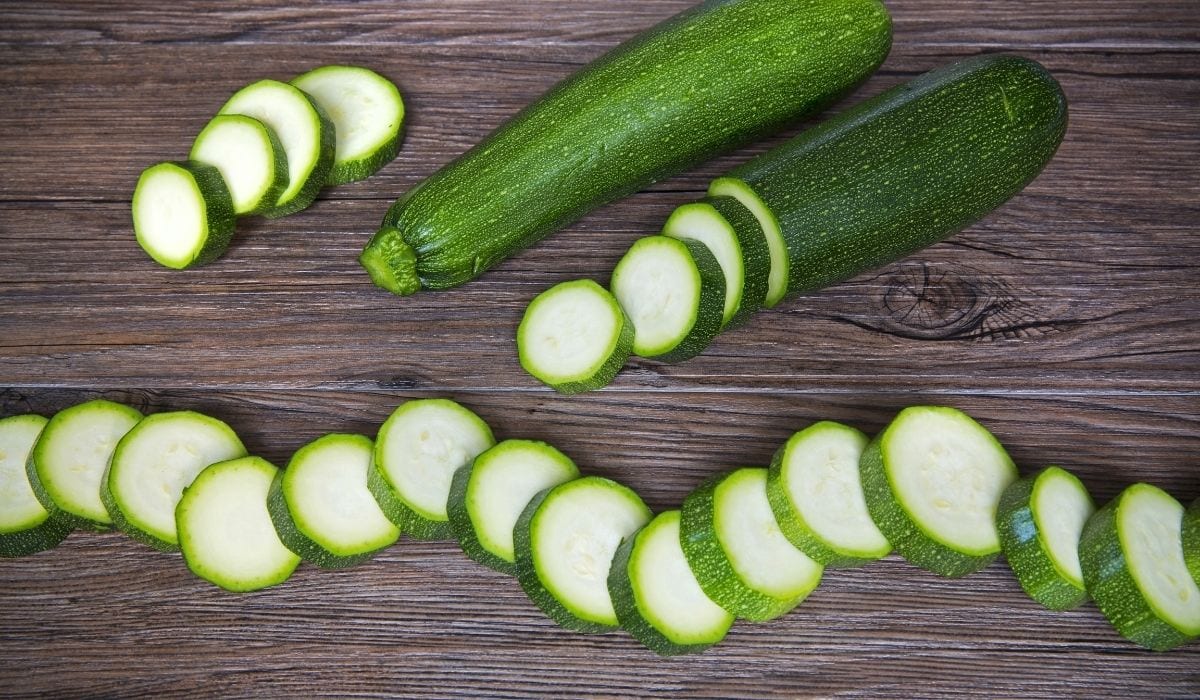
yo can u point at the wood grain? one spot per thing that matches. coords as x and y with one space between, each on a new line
1068 322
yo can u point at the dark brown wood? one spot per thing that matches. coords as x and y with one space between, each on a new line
1067 322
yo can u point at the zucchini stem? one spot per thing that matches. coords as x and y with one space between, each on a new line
391 262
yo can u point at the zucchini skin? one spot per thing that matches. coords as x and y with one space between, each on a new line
706 81
464 529
1191 539
45 535
910 167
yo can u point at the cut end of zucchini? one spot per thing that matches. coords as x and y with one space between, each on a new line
391 262
182 214
777 280
574 337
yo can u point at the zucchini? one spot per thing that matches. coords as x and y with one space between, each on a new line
656 596
1039 520
736 550
153 463
225 532
816 494
26 526
903 170
367 114
418 449
303 129
69 459
932 480
488 495
1132 560
674 293
1190 539
250 158
182 214
574 337
734 237
565 540
706 81
322 508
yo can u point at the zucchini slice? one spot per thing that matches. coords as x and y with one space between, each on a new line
574 337
418 449
1040 519
1132 560
367 114
933 480
153 463
322 508
26 526
737 552
487 497
777 276
735 239
816 495
1190 539
304 130
565 540
251 160
225 532
674 293
182 214
68 462
656 596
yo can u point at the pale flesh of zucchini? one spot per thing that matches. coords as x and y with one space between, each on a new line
699 222
659 286
1149 527
1061 507
19 507
777 282
574 337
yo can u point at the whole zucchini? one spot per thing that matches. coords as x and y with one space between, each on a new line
706 81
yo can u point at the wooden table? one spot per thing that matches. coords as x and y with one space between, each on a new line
1066 322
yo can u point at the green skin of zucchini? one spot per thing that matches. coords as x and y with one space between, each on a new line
708 560
898 527
408 520
756 256
709 312
464 531
658 104
1107 577
910 167
218 211
45 535
294 538
1191 539
1027 555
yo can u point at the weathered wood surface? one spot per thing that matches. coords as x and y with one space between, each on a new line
1067 322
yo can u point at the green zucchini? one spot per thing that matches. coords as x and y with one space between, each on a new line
182 214
1133 566
816 494
734 237
250 158
488 495
322 507
1190 539
565 540
656 595
69 459
225 532
1039 520
932 480
26 526
574 337
903 170
706 81
736 550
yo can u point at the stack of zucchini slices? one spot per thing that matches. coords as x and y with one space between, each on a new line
749 543
269 151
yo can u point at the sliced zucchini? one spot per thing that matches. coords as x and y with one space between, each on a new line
735 239
69 459
419 448
225 532
817 498
488 495
674 293
182 214
777 278
152 465
565 540
1040 519
1133 566
933 480
250 158
25 525
367 114
574 337
1191 539
737 552
656 596
322 508
304 130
